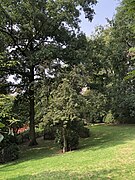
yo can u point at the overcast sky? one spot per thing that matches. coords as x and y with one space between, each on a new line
104 9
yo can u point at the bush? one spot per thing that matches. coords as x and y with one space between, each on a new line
84 132
23 137
9 153
39 132
72 138
109 118
49 132
9 150
78 127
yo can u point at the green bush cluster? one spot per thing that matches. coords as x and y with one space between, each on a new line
109 118
39 132
72 138
79 127
74 131
84 132
9 150
49 132
23 137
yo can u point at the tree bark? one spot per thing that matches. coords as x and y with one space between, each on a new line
32 111
64 141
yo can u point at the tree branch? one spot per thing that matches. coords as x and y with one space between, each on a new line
10 34
12 70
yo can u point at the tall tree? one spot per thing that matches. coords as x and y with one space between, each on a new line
121 40
39 33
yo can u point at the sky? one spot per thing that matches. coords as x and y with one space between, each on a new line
104 9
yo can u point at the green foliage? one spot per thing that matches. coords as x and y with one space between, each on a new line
39 132
7 116
80 129
129 8
49 131
40 34
64 104
1 125
23 137
109 119
72 139
9 150
8 143
83 132
122 89
21 109
9 153
116 56
95 107
132 53
131 74
124 108
64 109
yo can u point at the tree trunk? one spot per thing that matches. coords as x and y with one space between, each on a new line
32 113
64 141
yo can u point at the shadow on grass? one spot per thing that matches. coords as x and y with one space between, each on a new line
44 149
104 136
66 175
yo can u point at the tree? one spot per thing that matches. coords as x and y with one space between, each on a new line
64 110
95 106
121 39
108 62
39 34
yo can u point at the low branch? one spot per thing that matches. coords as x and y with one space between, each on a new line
10 34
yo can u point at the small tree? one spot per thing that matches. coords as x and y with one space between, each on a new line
63 110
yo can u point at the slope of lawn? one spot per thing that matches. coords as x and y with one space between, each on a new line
108 154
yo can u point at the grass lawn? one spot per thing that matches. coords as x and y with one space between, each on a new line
108 154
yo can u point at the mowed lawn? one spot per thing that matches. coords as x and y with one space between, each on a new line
108 154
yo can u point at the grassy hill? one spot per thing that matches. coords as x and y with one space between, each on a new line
108 154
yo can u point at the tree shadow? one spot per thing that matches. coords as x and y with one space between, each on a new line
72 175
101 137
44 149
108 136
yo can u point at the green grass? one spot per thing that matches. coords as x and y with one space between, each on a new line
108 154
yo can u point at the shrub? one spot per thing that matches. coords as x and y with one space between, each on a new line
109 118
84 132
39 132
78 127
49 132
9 150
72 138
9 153
23 137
